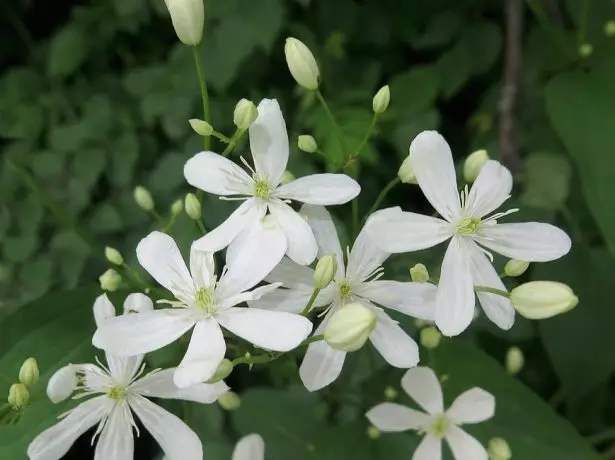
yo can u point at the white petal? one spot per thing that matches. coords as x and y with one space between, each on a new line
367 254
116 440
491 188
472 406
54 442
423 386
532 241
433 166
269 141
302 246
410 298
464 446
218 175
124 368
103 309
292 275
137 303
248 296
430 448
159 255
288 300
175 438
272 330
62 383
205 352
395 346
140 333
321 364
320 189
391 417
455 299
160 384
325 233
250 447
202 267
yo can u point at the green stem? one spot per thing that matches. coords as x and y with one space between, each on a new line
310 303
385 191
135 275
204 93
199 223
222 137
555 34
492 290
233 142
584 13
314 338
336 127
367 135
605 435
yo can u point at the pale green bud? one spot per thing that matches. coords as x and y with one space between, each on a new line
473 164
499 449
110 280
419 273
390 393
18 395
114 256
229 401
381 100
406 172
585 50
143 198
325 271
609 28
430 337
515 267
192 206
350 327
177 207
245 113
420 323
287 177
307 143
514 360
28 373
201 127
188 18
301 63
373 432
543 299
223 371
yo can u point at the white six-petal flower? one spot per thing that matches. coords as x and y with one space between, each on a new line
422 385
465 263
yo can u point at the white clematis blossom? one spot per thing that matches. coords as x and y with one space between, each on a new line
422 385
262 191
358 281
250 447
466 263
119 392
205 303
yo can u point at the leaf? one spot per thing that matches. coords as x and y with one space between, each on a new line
484 40
441 30
19 248
455 69
414 91
67 51
547 181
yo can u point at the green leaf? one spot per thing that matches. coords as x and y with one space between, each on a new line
547 181
414 91
455 68
67 51
19 248
441 30
484 40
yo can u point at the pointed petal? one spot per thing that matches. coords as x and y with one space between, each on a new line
367 254
491 188
293 301
215 174
271 330
430 448
464 446
202 267
116 440
410 298
455 298
250 447
62 383
423 386
531 241
248 296
302 246
325 233
269 141
473 406
140 333
137 303
391 417
123 368
292 275
320 189
395 346
205 352
433 166
175 438
103 309
160 384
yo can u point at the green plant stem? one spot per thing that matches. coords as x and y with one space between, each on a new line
605 435
555 34
199 223
204 93
135 276
158 218
233 142
492 290
336 127
265 358
308 307
583 14
385 191
372 125
222 137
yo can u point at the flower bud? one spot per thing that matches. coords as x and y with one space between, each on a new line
390 393
201 127
609 28
28 373
406 172
515 267
287 177
143 198
419 273
381 100
325 271
62 384
514 360
229 401
223 371
137 303
110 280
473 164
307 143
350 327
177 207
430 337
192 206
585 50
245 113
18 396
373 432
188 17
301 64
543 299
498 449
114 256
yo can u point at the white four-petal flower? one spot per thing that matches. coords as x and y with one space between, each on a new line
465 263
356 282
262 191
422 385
250 447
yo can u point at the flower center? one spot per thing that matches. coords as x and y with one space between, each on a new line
206 301
262 190
116 393
439 426
345 291
468 226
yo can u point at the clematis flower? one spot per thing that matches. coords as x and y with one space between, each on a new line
355 282
422 385
120 391
261 189
250 447
465 223
205 304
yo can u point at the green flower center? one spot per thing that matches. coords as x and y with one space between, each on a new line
116 393
439 426
468 226
262 190
345 291
204 298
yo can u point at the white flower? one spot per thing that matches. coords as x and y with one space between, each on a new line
205 303
465 263
120 392
262 191
422 385
250 447
358 282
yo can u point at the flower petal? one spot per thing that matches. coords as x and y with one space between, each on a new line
140 333
103 309
433 166
410 298
325 233
395 346
320 189
531 241
491 188
215 174
472 406
250 447
292 275
137 303
455 298
423 386
116 440
248 296
202 267
205 352
175 438
123 368
288 300
160 384
367 254
62 383
269 141
302 247
391 417
464 446
271 330
430 448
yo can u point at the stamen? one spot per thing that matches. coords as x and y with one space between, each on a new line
495 217
247 165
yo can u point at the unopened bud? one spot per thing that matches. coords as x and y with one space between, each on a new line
177 207
585 50
229 401
301 63
143 198
110 280
473 164
307 143
188 18
420 323
350 327
18 396
381 100
543 299
515 267
201 127
28 373
62 384
499 449
514 360
137 303
325 271
430 337
373 432
192 206
390 393
419 273
287 177
223 371
609 28
245 113
406 172
114 256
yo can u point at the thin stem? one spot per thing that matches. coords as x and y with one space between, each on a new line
605 435
492 290
233 142
222 137
308 307
543 19
385 191
204 94
158 218
367 135
135 275
584 13
336 127
199 223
